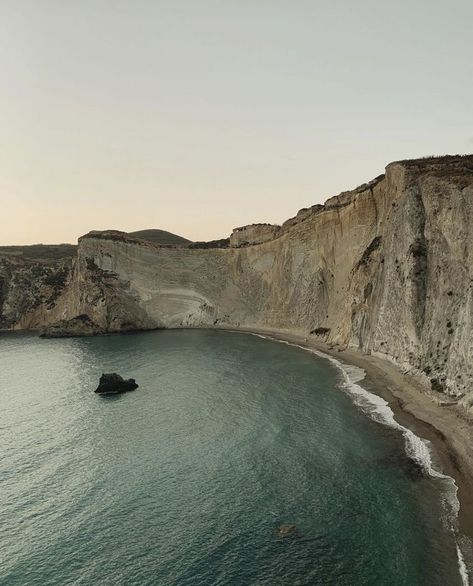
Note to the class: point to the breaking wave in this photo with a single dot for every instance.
(417, 448)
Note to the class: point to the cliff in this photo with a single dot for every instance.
(32, 279)
(386, 268)
(254, 234)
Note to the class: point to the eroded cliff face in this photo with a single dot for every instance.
(30, 290)
(386, 268)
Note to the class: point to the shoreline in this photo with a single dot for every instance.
(444, 426)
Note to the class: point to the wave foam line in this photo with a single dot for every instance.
(417, 448)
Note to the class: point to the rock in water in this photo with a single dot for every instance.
(287, 530)
(112, 383)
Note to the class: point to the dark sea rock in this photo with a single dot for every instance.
(112, 384)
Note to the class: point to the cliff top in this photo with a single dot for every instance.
(433, 160)
(153, 236)
(159, 236)
(453, 165)
(459, 167)
(39, 252)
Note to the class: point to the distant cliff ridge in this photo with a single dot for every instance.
(159, 236)
(386, 268)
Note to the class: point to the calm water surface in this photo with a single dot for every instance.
(184, 481)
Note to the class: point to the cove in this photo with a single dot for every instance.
(186, 480)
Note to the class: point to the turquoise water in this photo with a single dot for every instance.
(185, 481)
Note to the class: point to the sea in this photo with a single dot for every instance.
(239, 460)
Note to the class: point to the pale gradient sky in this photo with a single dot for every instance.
(197, 116)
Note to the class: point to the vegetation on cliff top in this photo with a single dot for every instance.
(159, 236)
(40, 252)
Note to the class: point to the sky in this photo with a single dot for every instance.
(197, 116)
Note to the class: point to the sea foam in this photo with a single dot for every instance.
(417, 448)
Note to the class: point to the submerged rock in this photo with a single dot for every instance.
(112, 384)
(411, 468)
(287, 530)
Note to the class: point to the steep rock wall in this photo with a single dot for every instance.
(30, 290)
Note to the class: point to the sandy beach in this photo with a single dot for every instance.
(445, 426)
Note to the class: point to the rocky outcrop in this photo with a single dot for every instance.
(30, 289)
(254, 234)
(80, 325)
(114, 384)
(386, 268)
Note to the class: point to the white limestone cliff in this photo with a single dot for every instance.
(386, 268)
